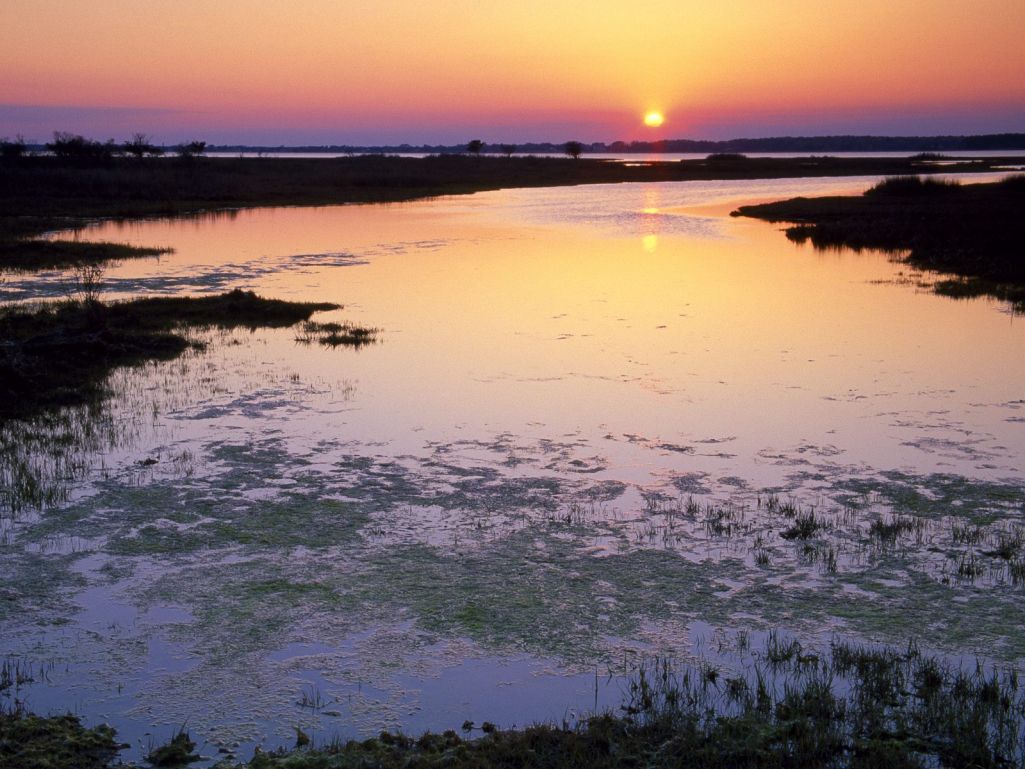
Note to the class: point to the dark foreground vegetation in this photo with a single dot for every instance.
(974, 231)
(852, 707)
(60, 354)
(38, 194)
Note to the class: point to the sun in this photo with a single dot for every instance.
(654, 119)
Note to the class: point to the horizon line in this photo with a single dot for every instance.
(1018, 137)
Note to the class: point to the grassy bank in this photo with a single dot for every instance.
(972, 231)
(38, 194)
(60, 354)
(850, 706)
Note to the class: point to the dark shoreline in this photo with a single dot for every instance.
(846, 707)
(974, 232)
(41, 194)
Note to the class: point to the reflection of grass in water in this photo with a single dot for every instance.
(780, 705)
(60, 354)
(42, 457)
(805, 525)
(514, 567)
(892, 528)
(336, 334)
(500, 571)
(32, 255)
(972, 231)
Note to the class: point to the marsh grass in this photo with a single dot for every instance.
(21, 255)
(16, 672)
(29, 741)
(178, 752)
(39, 194)
(805, 526)
(848, 705)
(890, 529)
(59, 354)
(971, 231)
(336, 334)
(913, 187)
(1016, 570)
(311, 698)
(929, 156)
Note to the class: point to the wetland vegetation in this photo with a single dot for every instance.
(973, 231)
(39, 194)
(788, 707)
(264, 536)
(60, 354)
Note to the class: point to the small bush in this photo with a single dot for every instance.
(13, 149)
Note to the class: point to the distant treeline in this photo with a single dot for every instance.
(1007, 141)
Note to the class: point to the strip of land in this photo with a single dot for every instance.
(40, 194)
(974, 232)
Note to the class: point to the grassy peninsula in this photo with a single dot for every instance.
(59, 355)
(971, 231)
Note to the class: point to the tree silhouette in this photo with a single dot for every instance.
(475, 147)
(13, 150)
(191, 149)
(140, 145)
(573, 149)
(508, 149)
(74, 147)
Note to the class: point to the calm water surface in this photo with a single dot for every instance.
(568, 451)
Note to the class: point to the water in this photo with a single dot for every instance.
(637, 157)
(575, 447)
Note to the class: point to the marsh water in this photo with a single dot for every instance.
(583, 438)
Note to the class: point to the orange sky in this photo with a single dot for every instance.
(398, 70)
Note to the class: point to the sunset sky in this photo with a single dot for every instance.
(391, 71)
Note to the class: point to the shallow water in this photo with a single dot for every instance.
(577, 444)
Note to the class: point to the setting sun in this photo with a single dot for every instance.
(654, 119)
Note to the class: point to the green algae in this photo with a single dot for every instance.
(263, 546)
(527, 584)
(295, 520)
(37, 588)
(937, 495)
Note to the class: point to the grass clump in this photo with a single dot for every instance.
(336, 334)
(891, 529)
(804, 526)
(177, 752)
(59, 354)
(29, 741)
